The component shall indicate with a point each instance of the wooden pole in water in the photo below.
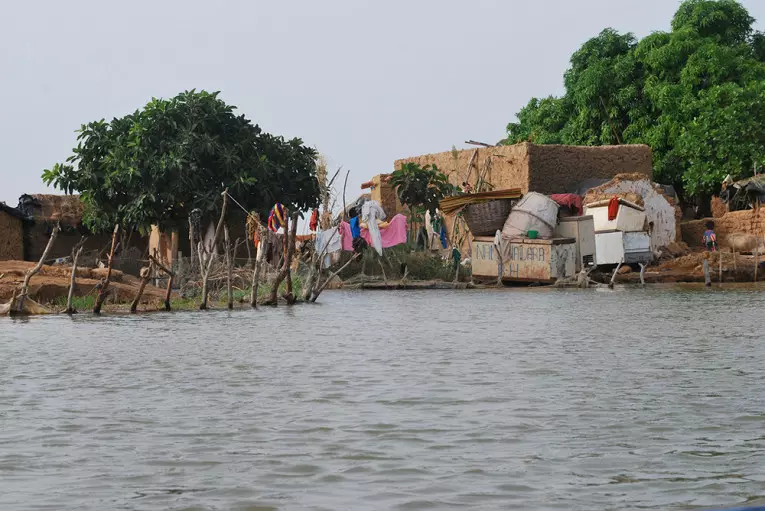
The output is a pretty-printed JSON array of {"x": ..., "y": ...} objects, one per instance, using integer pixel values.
[
  {"x": 756, "y": 262},
  {"x": 707, "y": 278},
  {"x": 144, "y": 280},
  {"x": 105, "y": 283},
  {"x": 719, "y": 255},
  {"x": 76, "y": 251},
  {"x": 613, "y": 277},
  {"x": 229, "y": 291},
  {"x": 642, "y": 274}
]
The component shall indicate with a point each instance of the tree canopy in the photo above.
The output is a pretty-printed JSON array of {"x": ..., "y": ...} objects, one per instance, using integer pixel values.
[
  {"x": 693, "y": 94},
  {"x": 174, "y": 155}
]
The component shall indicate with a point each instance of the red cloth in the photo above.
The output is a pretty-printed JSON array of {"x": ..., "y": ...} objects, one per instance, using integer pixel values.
[
  {"x": 569, "y": 200},
  {"x": 613, "y": 208},
  {"x": 314, "y": 220}
]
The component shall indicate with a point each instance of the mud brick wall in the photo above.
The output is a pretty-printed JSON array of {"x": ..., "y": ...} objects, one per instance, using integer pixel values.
[
  {"x": 541, "y": 168},
  {"x": 748, "y": 221},
  {"x": 509, "y": 165},
  {"x": 559, "y": 168},
  {"x": 11, "y": 237},
  {"x": 385, "y": 194}
]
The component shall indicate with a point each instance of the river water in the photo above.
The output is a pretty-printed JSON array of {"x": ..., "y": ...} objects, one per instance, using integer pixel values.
[{"x": 514, "y": 399}]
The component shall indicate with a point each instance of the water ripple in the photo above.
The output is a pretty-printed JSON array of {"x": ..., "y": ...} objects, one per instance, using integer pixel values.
[{"x": 516, "y": 399}]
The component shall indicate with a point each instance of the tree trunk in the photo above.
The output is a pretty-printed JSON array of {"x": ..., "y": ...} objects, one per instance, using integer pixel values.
[
  {"x": 229, "y": 291},
  {"x": 259, "y": 261},
  {"x": 211, "y": 258},
  {"x": 169, "y": 291},
  {"x": 144, "y": 280},
  {"x": 31, "y": 273},
  {"x": 170, "y": 278},
  {"x": 191, "y": 244},
  {"x": 105, "y": 286},
  {"x": 286, "y": 270},
  {"x": 76, "y": 251},
  {"x": 247, "y": 243}
]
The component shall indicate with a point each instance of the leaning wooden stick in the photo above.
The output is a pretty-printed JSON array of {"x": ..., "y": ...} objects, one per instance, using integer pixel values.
[
  {"x": 31, "y": 273},
  {"x": 105, "y": 286},
  {"x": 227, "y": 244},
  {"x": 209, "y": 262},
  {"x": 76, "y": 251},
  {"x": 170, "y": 278},
  {"x": 145, "y": 277}
]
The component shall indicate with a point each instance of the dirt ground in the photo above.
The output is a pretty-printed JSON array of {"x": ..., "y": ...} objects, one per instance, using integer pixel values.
[
  {"x": 690, "y": 268},
  {"x": 52, "y": 283}
]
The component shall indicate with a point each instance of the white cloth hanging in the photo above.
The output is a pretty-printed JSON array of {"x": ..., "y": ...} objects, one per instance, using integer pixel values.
[
  {"x": 329, "y": 242},
  {"x": 371, "y": 212}
]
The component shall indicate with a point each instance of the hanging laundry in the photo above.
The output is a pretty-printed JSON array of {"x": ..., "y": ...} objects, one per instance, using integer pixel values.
[
  {"x": 444, "y": 241},
  {"x": 328, "y": 242},
  {"x": 277, "y": 218},
  {"x": 314, "y": 223},
  {"x": 370, "y": 213},
  {"x": 394, "y": 234}
]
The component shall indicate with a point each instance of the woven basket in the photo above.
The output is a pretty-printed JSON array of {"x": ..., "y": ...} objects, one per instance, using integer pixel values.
[{"x": 486, "y": 218}]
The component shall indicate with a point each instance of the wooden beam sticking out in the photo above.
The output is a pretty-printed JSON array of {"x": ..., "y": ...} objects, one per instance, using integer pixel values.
[{"x": 473, "y": 142}]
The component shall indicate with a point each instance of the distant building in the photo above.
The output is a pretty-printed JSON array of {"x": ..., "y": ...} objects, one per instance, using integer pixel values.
[
  {"x": 44, "y": 211},
  {"x": 11, "y": 233},
  {"x": 546, "y": 169}
]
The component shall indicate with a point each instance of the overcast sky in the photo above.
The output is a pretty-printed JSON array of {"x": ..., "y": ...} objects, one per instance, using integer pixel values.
[{"x": 365, "y": 82}]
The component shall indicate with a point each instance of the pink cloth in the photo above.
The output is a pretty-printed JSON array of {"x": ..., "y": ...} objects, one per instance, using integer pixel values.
[
  {"x": 569, "y": 200},
  {"x": 394, "y": 234}
]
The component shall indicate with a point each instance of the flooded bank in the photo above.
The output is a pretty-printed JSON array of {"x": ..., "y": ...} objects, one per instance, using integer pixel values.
[{"x": 504, "y": 399}]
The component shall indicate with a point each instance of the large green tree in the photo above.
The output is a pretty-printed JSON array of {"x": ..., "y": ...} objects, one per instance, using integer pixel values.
[
  {"x": 174, "y": 155},
  {"x": 692, "y": 94}
]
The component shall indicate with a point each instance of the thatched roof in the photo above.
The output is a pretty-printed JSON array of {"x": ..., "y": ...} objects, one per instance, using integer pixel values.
[{"x": 66, "y": 209}]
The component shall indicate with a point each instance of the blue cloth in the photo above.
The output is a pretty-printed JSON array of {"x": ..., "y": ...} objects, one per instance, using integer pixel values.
[
  {"x": 443, "y": 236},
  {"x": 355, "y": 227}
]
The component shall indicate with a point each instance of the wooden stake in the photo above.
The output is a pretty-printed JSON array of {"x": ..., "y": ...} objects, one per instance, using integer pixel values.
[
  {"x": 105, "y": 286},
  {"x": 170, "y": 279},
  {"x": 289, "y": 296},
  {"x": 229, "y": 292},
  {"x": 719, "y": 255},
  {"x": 208, "y": 267},
  {"x": 642, "y": 274},
  {"x": 707, "y": 278},
  {"x": 169, "y": 291},
  {"x": 756, "y": 262},
  {"x": 76, "y": 251},
  {"x": 31, "y": 273},
  {"x": 316, "y": 294},
  {"x": 144, "y": 280},
  {"x": 259, "y": 257},
  {"x": 191, "y": 243},
  {"x": 613, "y": 277}
]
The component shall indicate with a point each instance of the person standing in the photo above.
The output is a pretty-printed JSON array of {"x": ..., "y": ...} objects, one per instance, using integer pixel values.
[{"x": 710, "y": 239}]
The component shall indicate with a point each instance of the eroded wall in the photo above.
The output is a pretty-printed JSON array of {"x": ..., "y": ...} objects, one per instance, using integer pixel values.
[
  {"x": 508, "y": 168},
  {"x": 559, "y": 168},
  {"x": 11, "y": 238},
  {"x": 749, "y": 221}
]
